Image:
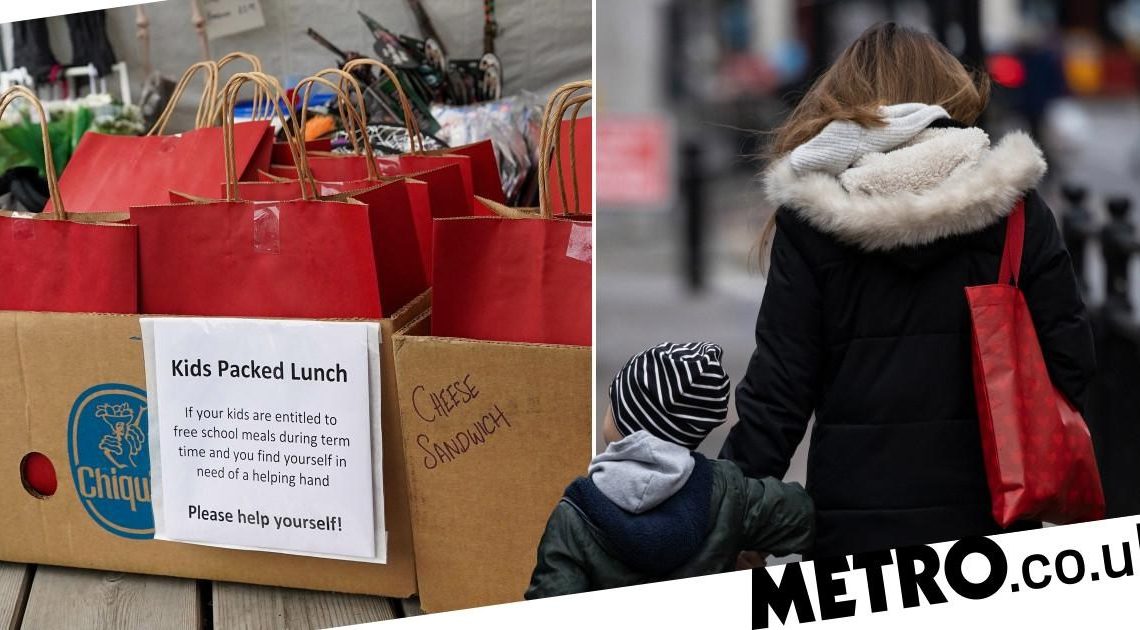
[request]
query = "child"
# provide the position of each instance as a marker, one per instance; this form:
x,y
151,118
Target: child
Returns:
x,y
649,508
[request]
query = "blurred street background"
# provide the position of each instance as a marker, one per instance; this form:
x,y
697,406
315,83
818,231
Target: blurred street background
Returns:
x,y
686,89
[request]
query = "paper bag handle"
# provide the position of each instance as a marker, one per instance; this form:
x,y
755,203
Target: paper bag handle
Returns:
x,y
343,104
11,95
411,123
253,60
562,100
205,105
261,105
348,113
555,135
288,126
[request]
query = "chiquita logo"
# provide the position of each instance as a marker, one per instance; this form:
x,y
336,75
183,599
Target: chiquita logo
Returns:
x,y
109,459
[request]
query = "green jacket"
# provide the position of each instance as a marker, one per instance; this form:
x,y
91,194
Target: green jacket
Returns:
x,y
577,553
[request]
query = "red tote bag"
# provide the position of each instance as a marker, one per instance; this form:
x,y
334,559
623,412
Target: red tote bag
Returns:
x,y
113,173
1038,452
53,264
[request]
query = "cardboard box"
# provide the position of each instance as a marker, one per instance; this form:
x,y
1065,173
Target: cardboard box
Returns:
x,y
493,433
55,368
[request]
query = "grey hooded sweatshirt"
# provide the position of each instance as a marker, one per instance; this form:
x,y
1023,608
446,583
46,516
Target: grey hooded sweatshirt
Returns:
x,y
649,510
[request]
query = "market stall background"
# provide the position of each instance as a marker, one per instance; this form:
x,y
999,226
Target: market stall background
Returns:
x,y
541,43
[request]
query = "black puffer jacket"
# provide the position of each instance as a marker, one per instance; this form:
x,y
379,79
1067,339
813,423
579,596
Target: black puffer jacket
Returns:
x,y
865,323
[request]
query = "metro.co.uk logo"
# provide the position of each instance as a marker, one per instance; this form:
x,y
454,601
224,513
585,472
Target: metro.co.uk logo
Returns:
x,y
1005,566
109,459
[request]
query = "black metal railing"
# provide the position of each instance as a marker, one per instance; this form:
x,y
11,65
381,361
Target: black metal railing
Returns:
x,y
1113,412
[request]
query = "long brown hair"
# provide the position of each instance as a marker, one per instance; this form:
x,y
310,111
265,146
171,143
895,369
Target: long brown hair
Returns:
x,y
887,64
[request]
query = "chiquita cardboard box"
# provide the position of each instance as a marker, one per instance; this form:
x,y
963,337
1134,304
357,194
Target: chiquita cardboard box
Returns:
x,y
493,434
69,384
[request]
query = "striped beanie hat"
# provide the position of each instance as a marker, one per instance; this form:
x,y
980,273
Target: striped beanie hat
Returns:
x,y
677,392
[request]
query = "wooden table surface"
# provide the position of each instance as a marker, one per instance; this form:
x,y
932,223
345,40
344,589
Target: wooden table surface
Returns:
x,y
34,597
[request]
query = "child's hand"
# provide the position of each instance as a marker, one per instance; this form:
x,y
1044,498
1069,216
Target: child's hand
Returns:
x,y
751,560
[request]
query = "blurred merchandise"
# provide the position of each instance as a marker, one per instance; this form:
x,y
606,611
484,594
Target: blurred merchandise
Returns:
x,y
318,126
157,88
380,95
1119,72
1125,19
512,124
1006,70
31,49
89,43
386,139
1065,132
155,94
790,60
423,68
23,189
20,142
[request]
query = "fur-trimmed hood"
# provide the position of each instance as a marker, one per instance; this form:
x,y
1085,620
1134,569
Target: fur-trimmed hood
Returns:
x,y
944,182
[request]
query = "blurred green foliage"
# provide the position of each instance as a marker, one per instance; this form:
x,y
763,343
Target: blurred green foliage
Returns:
x,y
21,144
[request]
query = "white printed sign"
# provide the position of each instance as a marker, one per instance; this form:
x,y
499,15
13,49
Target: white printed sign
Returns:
x,y
230,17
265,434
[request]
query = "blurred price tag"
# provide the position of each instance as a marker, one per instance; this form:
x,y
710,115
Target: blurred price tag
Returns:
x,y
229,17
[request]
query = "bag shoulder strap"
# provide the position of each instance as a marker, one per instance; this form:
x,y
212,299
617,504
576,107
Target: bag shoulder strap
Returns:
x,y
1014,243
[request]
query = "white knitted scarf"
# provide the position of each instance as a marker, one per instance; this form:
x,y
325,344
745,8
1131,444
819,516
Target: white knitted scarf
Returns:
x,y
842,142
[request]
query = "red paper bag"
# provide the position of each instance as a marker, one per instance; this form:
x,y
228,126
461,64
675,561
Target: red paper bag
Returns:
x,y
439,194
53,264
113,173
395,239
307,259
1038,453
72,267
396,210
329,167
525,280
524,276
396,242
486,181
419,196
282,154
294,258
